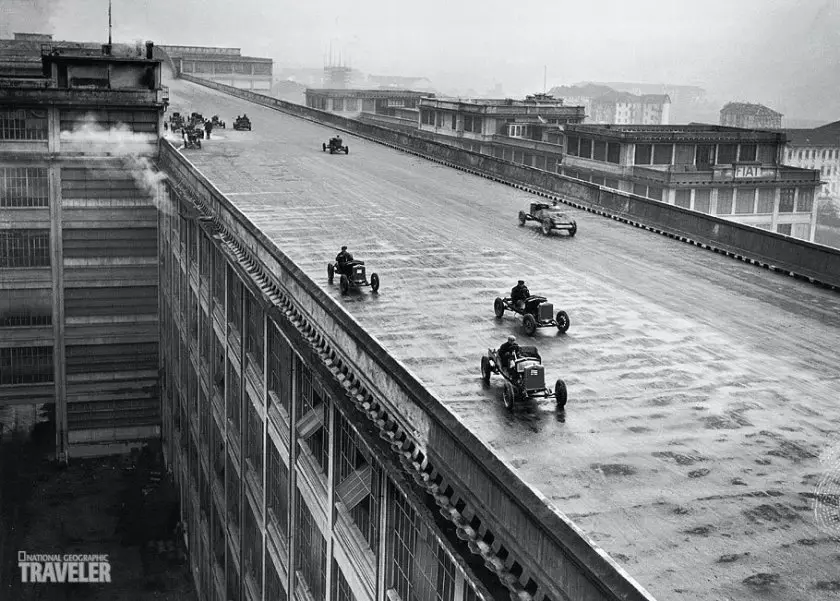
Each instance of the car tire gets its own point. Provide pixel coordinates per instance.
(346, 150)
(560, 393)
(499, 307)
(485, 369)
(509, 396)
(546, 226)
(530, 324)
(323, 147)
(344, 284)
(563, 321)
(573, 230)
(374, 282)
(330, 273)
(521, 217)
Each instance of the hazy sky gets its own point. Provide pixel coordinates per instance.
(781, 52)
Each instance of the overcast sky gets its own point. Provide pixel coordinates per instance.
(781, 52)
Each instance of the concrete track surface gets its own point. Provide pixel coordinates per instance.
(703, 392)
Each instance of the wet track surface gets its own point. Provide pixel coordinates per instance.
(704, 392)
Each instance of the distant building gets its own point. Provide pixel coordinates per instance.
(732, 173)
(538, 117)
(221, 65)
(352, 102)
(400, 82)
(606, 105)
(817, 148)
(749, 116)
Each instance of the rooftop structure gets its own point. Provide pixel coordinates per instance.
(223, 65)
(724, 171)
(353, 102)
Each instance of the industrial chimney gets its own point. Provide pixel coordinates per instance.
(150, 48)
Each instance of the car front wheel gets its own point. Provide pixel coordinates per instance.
(560, 393)
(521, 217)
(530, 324)
(509, 396)
(344, 284)
(330, 272)
(546, 226)
(374, 282)
(499, 307)
(563, 321)
(485, 370)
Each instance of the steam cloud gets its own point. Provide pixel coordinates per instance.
(119, 141)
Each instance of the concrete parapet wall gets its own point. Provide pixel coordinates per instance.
(552, 549)
(817, 263)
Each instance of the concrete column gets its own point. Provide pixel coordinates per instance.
(713, 198)
(774, 221)
(57, 268)
(53, 131)
(330, 492)
(813, 224)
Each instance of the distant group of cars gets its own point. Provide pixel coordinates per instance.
(196, 128)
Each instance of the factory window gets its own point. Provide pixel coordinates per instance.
(748, 152)
(234, 497)
(234, 402)
(727, 154)
(600, 151)
(614, 153)
(24, 248)
(235, 302)
(26, 365)
(23, 187)
(279, 367)
(420, 569)
(351, 104)
(655, 192)
(396, 102)
(745, 201)
(724, 201)
(702, 200)
(662, 154)
(188, 67)
(241, 68)
(312, 417)
(234, 584)
(357, 482)
(254, 340)
(338, 104)
(572, 145)
(277, 491)
(261, 68)
(23, 124)
(640, 189)
(311, 555)
(253, 547)
(219, 270)
(425, 117)
(438, 119)
(254, 441)
(766, 200)
(206, 256)
(784, 228)
(585, 148)
(705, 156)
(644, 154)
(786, 196)
(801, 230)
(343, 592)
(611, 183)
(274, 590)
(682, 198)
(805, 202)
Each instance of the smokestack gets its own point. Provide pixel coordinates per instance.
(150, 49)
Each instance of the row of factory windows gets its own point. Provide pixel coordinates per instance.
(221, 67)
(701, 155)
(449, 120)
(29, 124)
(415, 573)
(812, 153)
(730, 200)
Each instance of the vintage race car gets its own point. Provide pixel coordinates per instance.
(335, 145)
(242, 124)
(524, 377)
(550, 218)
(217, 122)
(192, 138)
(352, 275)
(537, 312)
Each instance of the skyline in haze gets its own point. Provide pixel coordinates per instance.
(777, 52)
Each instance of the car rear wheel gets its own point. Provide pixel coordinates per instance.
(530, 324)
(573, 229)
(521, 217)
(330, 272)
(509, 396)
(546, 226)
(374, 282)
(485, 370)
(499, 307)
(346, 150)
(563, 321)
(560, 393)
(344, 284)
(323, 147)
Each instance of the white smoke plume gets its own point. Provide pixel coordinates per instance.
(134, 149)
